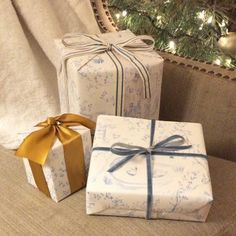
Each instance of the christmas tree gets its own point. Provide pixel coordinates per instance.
(187, 28)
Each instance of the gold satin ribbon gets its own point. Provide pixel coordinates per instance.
(36, 147)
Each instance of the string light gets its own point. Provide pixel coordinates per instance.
(228, 61)
(201, 27)
(172, 46)
(210, 19)
(124, 13)
(189, 32)
(201, 14)
(159, 20)
(203, 17)
(217, 61)
(117, 16)
(222, 24)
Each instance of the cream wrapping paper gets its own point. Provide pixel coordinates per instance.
(54, 168)
(90, 85)
(181, 185)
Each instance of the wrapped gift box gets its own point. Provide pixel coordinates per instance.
(181, 184)
(54, 169)
(89, 84)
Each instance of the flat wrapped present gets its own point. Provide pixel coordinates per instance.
(64, 168)
(152, 169)
(113, 73)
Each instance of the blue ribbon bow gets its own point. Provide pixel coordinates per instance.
(163, 148)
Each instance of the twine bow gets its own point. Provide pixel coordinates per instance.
(125, 48)
(167, 147)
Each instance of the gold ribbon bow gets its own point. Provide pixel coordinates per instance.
(36, 147)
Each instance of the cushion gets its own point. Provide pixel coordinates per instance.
(25, 210)
(190, 92)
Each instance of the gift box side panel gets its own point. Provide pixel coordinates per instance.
(134, 103)
(56, 174)
(87, 146)
(200, 217)
(91, 85)
(94, 87)
(156, 72)
(111, 203)
(181, 185)
(61, 78)
(104, 191)
(188, 179)
(134, 106)
(55, 168)
(110, 194)
(28, 171)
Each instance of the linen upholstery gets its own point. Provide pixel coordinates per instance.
(27, 211)
(194, 91)
(28, 81)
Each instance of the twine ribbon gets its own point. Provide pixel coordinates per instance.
(37, 145)
(167, 147)
(125, 48)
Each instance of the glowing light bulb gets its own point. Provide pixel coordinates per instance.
(117, 16)
(172, 46)
(201, 27)
(217, 61)
(124, 13)
(210, 19)
(228, 61)
(201, 14)
(222, 24)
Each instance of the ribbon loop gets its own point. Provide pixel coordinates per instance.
(37, 145)
(137, 43)
(161, 147)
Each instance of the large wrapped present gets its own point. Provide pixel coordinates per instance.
(57, 155)
(114, 73)
(148, 168)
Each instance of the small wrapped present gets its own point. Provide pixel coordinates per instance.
(148, 168)
(113, 73)
(56, 156)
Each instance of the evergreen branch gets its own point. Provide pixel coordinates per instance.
(152, 21)
(179, 21)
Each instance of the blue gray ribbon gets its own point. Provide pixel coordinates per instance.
(167, 147)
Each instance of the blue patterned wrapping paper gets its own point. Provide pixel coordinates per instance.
(54, 168)
(181, 186)
(91, 83)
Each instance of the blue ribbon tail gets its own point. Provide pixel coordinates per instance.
(120, 163)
